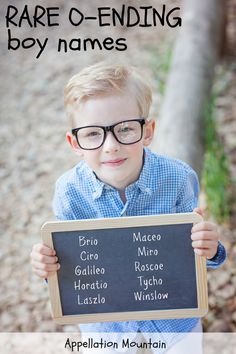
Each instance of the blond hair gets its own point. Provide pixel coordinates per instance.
(105, 79)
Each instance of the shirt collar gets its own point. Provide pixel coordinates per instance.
(96, 185)
(146, 182)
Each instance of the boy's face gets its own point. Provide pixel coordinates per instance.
(113, 163)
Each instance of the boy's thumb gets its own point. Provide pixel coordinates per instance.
(199, 211)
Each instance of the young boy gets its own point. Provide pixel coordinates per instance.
(108, 108)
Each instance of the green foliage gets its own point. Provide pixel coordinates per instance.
(215, 176)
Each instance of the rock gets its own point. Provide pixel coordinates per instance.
(234, 317)
(219, 326)
(233, 280)
(212, 301)
(227, 292)
(46, 326)
(6, 320)
(218, 280)
(70, 328)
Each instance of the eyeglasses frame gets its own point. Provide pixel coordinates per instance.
(109, 128)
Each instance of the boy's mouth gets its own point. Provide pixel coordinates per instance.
(115, 162)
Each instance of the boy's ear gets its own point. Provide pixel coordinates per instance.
(73, 143)
(148, 133)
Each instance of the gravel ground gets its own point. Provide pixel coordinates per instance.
(34, 154)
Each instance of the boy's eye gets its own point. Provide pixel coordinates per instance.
(125, 129)
(90, 133)
(93, 134)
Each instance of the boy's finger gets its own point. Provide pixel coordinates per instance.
(204, 226)
(199, 211)
(47, 267)
(204, 244)
(38, 257)
(205, 235)
(40, 248)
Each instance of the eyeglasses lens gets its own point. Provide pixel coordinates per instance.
(127, 132)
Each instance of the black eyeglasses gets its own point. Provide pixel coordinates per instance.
(126, 132)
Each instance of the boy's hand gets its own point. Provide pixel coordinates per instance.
(44, 261)
(205, 237)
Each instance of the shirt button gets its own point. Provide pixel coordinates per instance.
(148, 190)
(95, 194)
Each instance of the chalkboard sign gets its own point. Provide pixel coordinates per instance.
(129, 268)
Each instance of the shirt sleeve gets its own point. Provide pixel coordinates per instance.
(60, 205)
(219, 258)
(189, 192)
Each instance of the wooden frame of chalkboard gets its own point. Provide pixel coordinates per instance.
(129, 268)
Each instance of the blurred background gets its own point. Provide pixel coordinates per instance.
(34, 152)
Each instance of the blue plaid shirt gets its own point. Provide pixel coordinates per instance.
(164, 186)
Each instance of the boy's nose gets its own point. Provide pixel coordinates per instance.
(110, 143)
